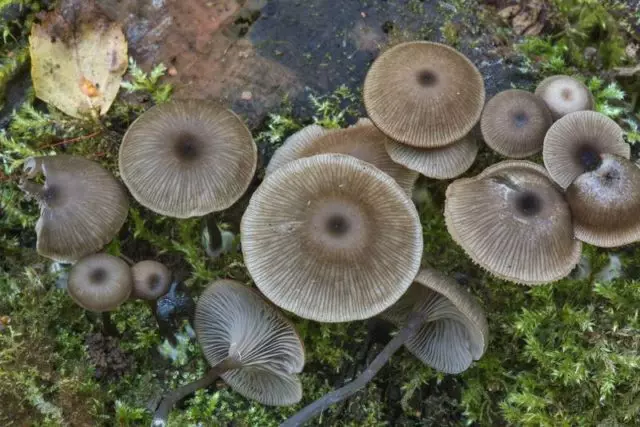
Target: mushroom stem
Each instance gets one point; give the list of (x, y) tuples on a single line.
[(174, 396), (108, 327), (305, 414), (126, 259), (213, 242)]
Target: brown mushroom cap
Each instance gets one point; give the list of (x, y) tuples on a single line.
[(236, 326), (455, 332), (331, 238), (82, 205), (424, 94), (514, 123), (605, 203), (187, 158), (439, 163), (574, 144), (514, 222), (363, 141), (151, 279), (100, 282), (564, 95)]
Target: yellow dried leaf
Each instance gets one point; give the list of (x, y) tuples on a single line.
[(78, 58)]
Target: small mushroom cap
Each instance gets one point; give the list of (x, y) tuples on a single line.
[(514, 222), (235, 325), (574, 144), (331, 238), (100, 282), (564, 95), (606, 203), (455, 332), (151, 279), (424, 94), (82, 205), (363, 141), (514, 123), (187, 158), (440, 163)]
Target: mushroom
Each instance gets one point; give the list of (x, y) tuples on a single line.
[(441, 324), (424, 94), (151, 279), (514, 123), (513, 221), (575, 143), (440, 163), (605, 203), (248, 343), (331, 238), (363, 141), (564, 95), (187, 158), (82, 205), (100, 282)]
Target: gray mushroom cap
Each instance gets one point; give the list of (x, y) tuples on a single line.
[(187, 158), (513, 221), (151, 279), (455, 332), (100, 282), (564, 95), (82, 205), (331, 238), (235, 326)]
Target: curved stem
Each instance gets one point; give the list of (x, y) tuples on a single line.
[(310, 411), (126, 259), (213, 242), (174, 396)]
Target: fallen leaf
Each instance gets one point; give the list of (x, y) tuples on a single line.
[(78, 57)]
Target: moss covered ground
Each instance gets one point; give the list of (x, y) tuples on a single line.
[(563, 354)]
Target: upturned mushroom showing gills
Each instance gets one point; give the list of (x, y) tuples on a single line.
[(248, 343), (575, 143), (513, 221), (331, 238), (439, 163), (187, 158), (151, 279), (424, 94), (605, 203), (441, 324), (100, 282), (82, 205), (363, 141), (564, 95), (514, 123)]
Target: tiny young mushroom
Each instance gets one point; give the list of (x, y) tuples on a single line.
[(515, 122), (513, 221), (248, 343), (564, 95), (82, 205), (331, 238), (151, 280), (424, 94), (605, 203), (363, 141), (575, 143), (441, 324)]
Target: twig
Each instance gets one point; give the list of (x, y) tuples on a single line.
[(72, 140)]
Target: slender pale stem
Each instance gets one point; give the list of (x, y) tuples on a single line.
[(313, 409), (214, 241)]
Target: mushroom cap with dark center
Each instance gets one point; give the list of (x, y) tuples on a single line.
[(237, 327), (100, 282), (151, 279), (331, 238), (514, 123), (187, 158), (605, 203), (455, 332), (82, 205), (575, 143), (513, 221), (424, 94), (363, 141), (439, 163), (564, 95)]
